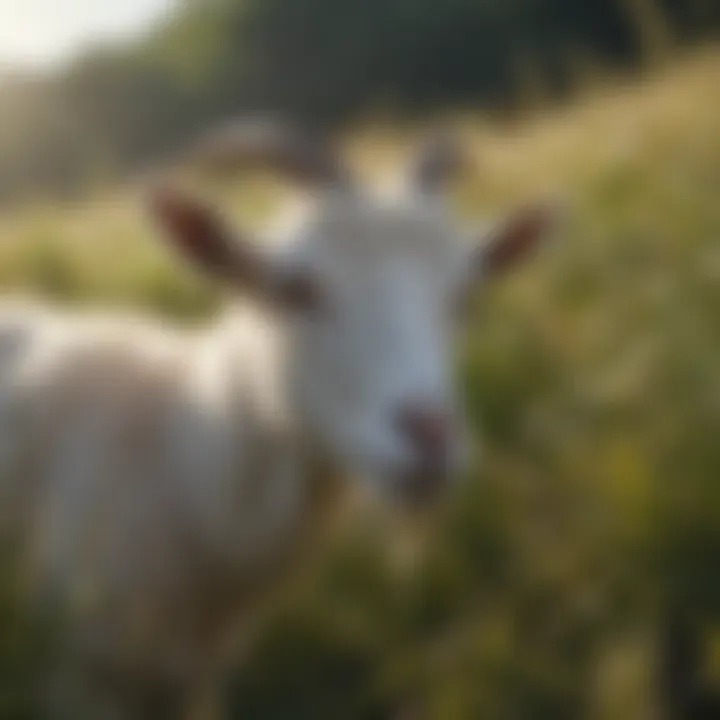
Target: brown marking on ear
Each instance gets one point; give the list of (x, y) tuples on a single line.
[(518, 238), (201, 235)]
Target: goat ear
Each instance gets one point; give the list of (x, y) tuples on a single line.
[(203, 238), (517, 238)]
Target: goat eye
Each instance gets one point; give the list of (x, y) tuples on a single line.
[(300, 293)]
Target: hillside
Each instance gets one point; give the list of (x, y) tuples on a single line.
[(116, 108), (586, 546)]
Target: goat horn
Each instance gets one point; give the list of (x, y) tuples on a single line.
[(267, 145), (439, 161)]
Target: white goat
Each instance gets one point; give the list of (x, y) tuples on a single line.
[(163, 479)]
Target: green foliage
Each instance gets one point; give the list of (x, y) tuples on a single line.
[(576, 576), (25, 643)]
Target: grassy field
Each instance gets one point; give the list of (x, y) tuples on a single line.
[(592, 531)]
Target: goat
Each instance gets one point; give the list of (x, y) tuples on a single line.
[(165, 479)]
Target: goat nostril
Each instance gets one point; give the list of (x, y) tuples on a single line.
[(428, 431)]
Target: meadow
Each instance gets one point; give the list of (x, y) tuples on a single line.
[(578, 575)]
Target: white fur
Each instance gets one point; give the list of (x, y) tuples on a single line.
[(391, 272), (160, 477)]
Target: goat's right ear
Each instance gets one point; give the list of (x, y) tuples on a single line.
[(202, 236), (518, 238)]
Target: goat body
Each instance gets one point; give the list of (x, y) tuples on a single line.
[(156, 476), (162, 480)]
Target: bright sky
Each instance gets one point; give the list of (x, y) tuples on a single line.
[(41, 32)]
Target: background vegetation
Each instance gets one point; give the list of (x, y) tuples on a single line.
[(117, 109), (577, 576)]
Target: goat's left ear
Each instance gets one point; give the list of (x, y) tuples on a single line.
[(203, 237), (517, 239)]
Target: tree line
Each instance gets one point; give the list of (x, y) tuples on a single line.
[(117, 108)]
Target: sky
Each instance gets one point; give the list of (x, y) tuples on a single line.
[(44, 32)]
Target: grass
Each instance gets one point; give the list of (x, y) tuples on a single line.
[(594, 376)]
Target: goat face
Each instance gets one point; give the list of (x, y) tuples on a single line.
[(366, 292), (371, 361)]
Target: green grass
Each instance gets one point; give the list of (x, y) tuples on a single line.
[(595, 378)]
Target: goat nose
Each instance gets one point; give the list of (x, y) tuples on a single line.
[(428, 431)]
